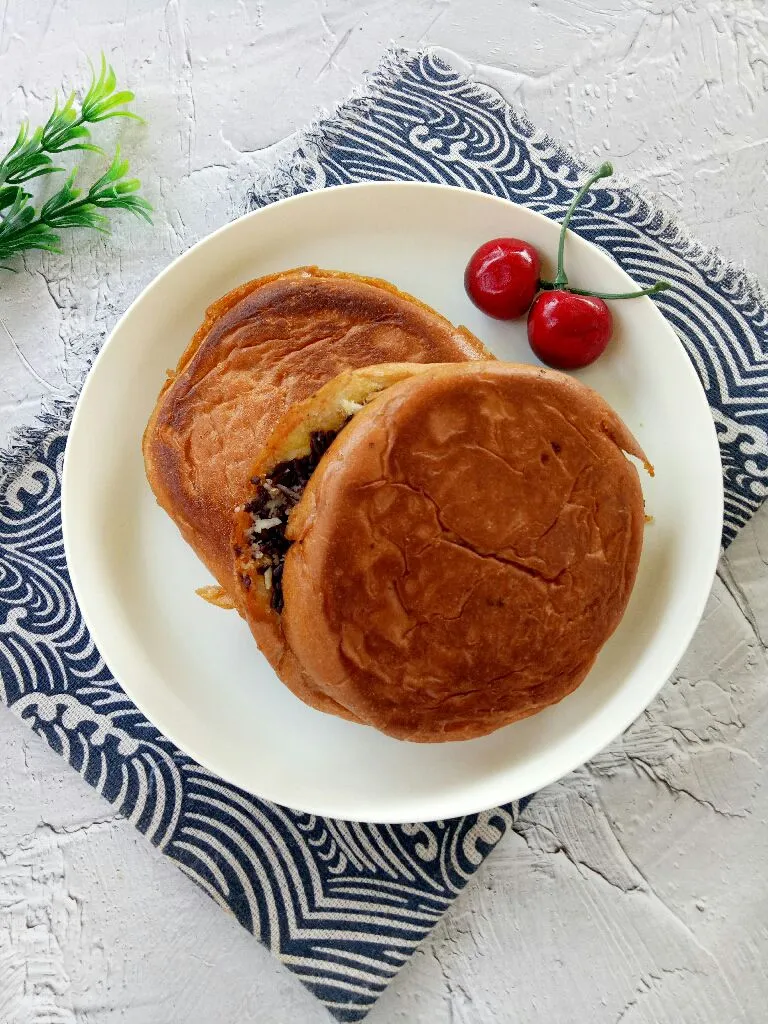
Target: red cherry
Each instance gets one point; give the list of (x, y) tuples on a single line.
[(502, 277), (568, 331)]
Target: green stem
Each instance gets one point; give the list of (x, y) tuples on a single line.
[(44, 222), (46, 140), (604, 171), (74, 205), (654, 289), (41, 147)]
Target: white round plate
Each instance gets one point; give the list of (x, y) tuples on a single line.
[(194, 670)]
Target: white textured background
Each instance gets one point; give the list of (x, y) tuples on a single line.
[(636, 891)]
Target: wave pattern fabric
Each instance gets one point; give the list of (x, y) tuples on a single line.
[(344, 905)]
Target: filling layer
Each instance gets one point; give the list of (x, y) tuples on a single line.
[(276, 494)]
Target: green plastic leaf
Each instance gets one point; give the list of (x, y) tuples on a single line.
[(70, 138), (110, 82), (36, 166), (116, 170), (139, 207), (18, 214), (119, 113), (92, 94), (35, 236), (20, 141), (116, 100), (85, 147), (99, 90), (101, 100), (129, 185), (9, 195), (67, 194), (86, 216), (30, 156), (59, 124)]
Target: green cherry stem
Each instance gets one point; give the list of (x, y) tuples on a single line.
[(659, 286), (654, 289), (604, 171)]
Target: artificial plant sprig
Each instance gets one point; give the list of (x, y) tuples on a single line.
[(22, 227)]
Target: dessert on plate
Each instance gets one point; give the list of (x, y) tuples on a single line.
[(261, 348), (438, 551), (421, 539)]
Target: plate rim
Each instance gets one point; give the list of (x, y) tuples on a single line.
[(454, 802)]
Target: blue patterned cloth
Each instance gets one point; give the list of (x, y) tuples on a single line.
[(344, 905)]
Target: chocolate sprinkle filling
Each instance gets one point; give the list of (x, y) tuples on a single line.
[(275, 495)]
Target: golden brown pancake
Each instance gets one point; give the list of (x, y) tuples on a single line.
[(263, 347), (326, 411), (461, 552)]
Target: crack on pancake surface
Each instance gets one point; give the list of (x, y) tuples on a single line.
[(536, 556)]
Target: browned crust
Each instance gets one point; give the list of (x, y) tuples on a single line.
[(260, 349), (398, 662), (325, 410), (229, 379)]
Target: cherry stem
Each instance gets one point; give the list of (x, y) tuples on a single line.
[(659, 286), (604, 171)]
